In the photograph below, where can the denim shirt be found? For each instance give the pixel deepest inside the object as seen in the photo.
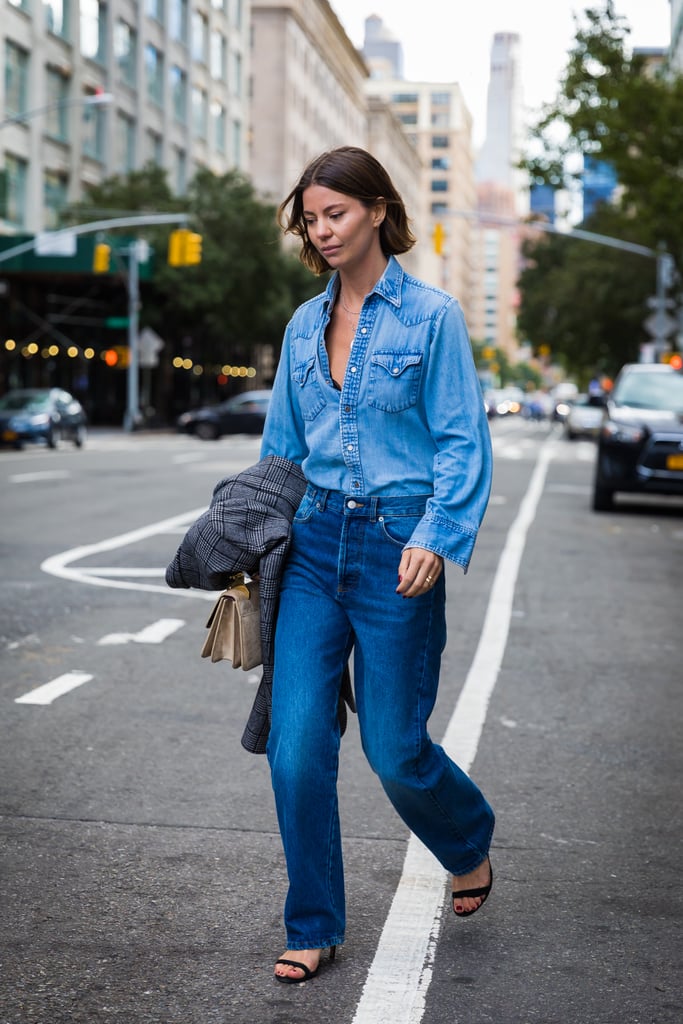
(409, 419)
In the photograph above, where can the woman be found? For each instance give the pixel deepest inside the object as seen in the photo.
(376, 397)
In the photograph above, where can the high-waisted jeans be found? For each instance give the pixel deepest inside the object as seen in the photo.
(338, 594)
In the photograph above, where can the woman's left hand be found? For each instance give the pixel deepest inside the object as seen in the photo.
(418, 571)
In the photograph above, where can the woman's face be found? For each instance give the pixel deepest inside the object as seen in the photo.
(342, 229)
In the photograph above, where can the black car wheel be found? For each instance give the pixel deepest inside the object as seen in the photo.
(207, 431)
(52, 437)
(603, 497)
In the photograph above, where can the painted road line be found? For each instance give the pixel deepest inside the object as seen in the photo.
(396, 988)
(154, 634)
(48, 474)
(56, 688)
(61, 565)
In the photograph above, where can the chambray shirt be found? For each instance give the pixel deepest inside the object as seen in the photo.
(409, 419)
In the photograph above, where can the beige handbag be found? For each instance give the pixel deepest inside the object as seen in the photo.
(235, 627)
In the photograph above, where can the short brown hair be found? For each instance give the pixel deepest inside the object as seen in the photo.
(353, 172)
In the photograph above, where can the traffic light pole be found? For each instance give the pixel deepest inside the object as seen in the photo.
(133, 417)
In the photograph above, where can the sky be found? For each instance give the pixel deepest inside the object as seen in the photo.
(450, 40)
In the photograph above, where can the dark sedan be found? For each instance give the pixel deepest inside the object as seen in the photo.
(47, 415)
(243, 414)
(640, 445)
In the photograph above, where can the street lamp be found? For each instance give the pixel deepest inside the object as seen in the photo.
(97, 99)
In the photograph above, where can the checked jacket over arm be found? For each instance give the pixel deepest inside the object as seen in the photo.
(247, 528)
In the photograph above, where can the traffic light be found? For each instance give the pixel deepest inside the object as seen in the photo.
(193, 248)
(176, 247)
(439, 238)
(101, 258)
(184, 248)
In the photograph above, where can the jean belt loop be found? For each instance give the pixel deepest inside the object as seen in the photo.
(374, 503)
(321, 498)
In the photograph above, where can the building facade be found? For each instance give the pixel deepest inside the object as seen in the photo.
(437, 123)
(91, 89)
(307, 91)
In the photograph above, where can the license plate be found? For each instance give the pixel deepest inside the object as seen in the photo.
(674, 462)
(9, 435)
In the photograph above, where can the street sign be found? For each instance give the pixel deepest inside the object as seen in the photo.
(660, 324)
(149, 344)
(116, 321)
(62, 243)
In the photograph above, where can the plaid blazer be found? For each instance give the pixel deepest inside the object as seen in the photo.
(247, 528)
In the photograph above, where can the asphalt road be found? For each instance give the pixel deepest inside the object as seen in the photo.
(141, 878)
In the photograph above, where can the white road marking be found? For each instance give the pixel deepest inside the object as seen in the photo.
(396, 988)
(61, 565)
(56, 688)
(47, 474)
(154, 634)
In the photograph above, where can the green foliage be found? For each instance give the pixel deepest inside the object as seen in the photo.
(586, 301)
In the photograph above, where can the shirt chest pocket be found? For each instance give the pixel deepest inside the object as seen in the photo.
(394, 380)
(311, 398)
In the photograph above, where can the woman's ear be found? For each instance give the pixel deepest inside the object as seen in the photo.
(379, 212)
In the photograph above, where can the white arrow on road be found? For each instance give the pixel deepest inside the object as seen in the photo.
(154, 634)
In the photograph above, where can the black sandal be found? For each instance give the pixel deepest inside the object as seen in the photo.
(308, 973)
(482, 892)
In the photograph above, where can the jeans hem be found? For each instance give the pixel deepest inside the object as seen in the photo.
(335, 940)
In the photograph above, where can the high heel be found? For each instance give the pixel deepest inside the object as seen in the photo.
(481, 892)
(308, 973)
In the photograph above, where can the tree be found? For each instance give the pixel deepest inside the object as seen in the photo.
(585, 301)
(589, 302)
(246, 286)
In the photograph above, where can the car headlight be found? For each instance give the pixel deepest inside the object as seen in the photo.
(626, 433)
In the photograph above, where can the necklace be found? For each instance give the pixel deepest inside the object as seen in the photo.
(351, 314)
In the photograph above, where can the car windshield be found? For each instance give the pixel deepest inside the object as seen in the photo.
(661, 391)
(25, 401)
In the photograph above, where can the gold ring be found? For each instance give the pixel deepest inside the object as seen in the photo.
(428, 579)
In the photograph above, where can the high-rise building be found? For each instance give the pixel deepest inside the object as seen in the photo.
(382, 51)
(96, 88)
(502, 149)
(599, 182)
(542, 200)
(676, 46)
(502, 198)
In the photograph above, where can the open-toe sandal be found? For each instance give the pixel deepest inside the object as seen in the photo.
(308, 973)
(482, 893)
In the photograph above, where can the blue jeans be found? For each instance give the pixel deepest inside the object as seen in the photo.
(338, 594)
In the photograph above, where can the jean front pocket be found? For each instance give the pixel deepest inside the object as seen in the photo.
(311, 398)
(399, 529)
(394, 380)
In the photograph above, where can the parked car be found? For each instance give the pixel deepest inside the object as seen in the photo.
(640, 445)
(243, 414)
(47, 415)
(584, 416)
